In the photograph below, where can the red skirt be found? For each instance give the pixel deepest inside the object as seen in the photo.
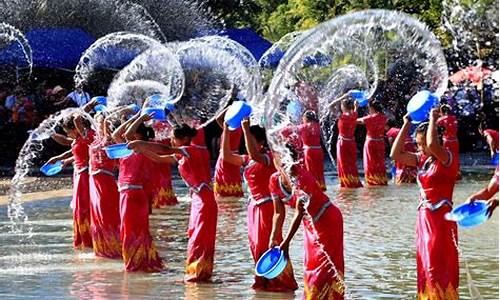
(81, 211)
(437, 255)
(105, 216)
(314, 163)
(201, 234)
(260, 224)
(405, 174)
(454, 147)
(374, 162)
(227, 179)
(163, 193)
(320, 279)
(138, 250)
(346, 164)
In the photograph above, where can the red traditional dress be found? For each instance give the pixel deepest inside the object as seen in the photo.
(404, 173)
(199, 142)
(493, 134)
(195, 171)
(291, 136)
(310, 136)
(323, 237)
(374, 149)
(138, 250)
(450, 141)
(437, 255)
(347, 152)
(162, 192)
(81, 196)
(260, 212)
(228, 176)
(104, 203)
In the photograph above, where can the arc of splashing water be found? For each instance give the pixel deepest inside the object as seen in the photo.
(12, 34)
(15, 211)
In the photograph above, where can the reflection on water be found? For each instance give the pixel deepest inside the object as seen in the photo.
(379, 252)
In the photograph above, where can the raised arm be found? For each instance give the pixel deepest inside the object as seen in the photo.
(61, 139)
(118, 134)
(78, 121)
(220, 118)
(397, 151)
(227, 154)
(89, 106)
(432, 137)
(132, 129)
(250, 144)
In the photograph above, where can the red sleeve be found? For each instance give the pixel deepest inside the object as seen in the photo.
(246, 159)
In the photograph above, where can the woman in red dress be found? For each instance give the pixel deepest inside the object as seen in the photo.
(195, 171)
(138, 250)
(491, 138)
(346, 145)
(104, 197)
(323, 230)
(450, 124)
(227, 178)
(404, 174)
(163, 192)
(258, 168)
(437, 255)
(78, 130)
(374, 150)
(310, 134)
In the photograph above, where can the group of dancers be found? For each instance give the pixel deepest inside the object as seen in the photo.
(112, 216)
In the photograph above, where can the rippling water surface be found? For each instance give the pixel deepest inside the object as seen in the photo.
(379, 252)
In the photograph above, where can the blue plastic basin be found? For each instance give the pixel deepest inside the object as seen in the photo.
(469, 214)
(118, 151)
(101, 100)
(494, 160)
(158, 113)
(420, 106)
(271, 263)
(51, 169)
(134, 107)
(360, 97)
(99, 107)
(236, 113)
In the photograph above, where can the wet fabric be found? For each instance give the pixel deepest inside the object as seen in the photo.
(374, 150)
(227, 181)
(347, 152)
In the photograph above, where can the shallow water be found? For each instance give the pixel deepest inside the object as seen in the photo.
(379, 252)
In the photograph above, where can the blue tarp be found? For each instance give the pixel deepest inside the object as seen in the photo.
(51, 48)
(256, 44)
(62, 48)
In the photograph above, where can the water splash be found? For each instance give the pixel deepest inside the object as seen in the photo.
(10, 35)
(25, 161)
(215, 67)
(111, 52)
(394, 53)
(158, 19)
(155, 71)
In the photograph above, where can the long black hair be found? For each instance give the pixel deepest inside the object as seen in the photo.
(259, 133)
(147, 133)
(183, 131)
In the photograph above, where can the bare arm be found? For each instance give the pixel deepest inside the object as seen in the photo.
(170, 159)
(118, 134)
(61, 156)
(486, 193)
(132, 129)
(227, 154)
(278, 220)
(432, 137)
(254, 154)
(360, 121)
(491, 144)
(297, 218)
(397, 150)
(220, 117)
(89, 106)
(61, 139)
(143, 146)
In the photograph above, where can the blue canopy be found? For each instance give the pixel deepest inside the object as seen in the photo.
(256, 44)
(51, 48)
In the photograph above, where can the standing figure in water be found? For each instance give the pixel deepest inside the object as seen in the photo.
(346, 145)
(258, 168)
(404, 173)
(138, 249)
(450, 124)
(437, 255)
(104, 196)
(195, 171)
(374, 149)
(310, 134)
(78, 129)
(163, 191)
(323, 229)
(491, 137)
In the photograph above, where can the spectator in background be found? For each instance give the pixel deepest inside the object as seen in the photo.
(79, 96)
(59, 97)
